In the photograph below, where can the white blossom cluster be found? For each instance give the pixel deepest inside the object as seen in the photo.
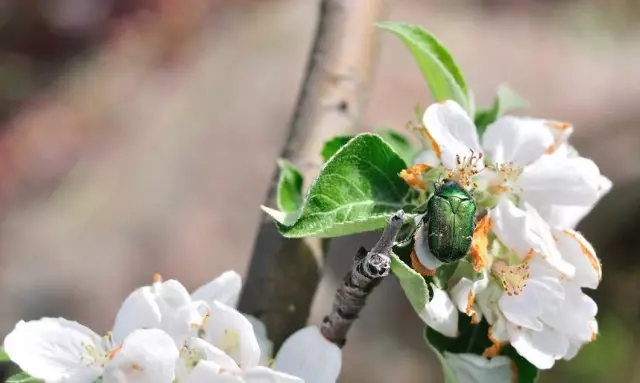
(529, 264)
(163, 334)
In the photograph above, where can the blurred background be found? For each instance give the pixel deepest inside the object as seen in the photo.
(139, 136)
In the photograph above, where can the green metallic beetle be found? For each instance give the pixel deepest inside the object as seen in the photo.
(448, 225)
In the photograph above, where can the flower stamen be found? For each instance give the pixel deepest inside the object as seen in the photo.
(512, 277)
(467, 168)
(506, 176)
(202, 327)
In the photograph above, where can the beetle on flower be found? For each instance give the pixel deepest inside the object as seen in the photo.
(529, 265)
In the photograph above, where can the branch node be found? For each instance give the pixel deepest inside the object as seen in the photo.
(367, 271)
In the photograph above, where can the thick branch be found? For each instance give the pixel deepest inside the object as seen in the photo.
(366, 273)
(284, 273)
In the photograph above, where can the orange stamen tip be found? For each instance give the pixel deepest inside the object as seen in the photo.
(529, 255)
(157, 278)
(112, 354)
(594, 336)
(480, 243)
(412, 176)
(492, 351)
(136, 367)
(561, 126)
(419, 267)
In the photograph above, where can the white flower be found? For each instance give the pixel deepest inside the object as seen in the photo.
(168, 306)
(58, 350)
(471, 368)
(533, 299)
(228, 350)
(307, 354)
(529, 264)
(266, 345)
(440, 313)
(523, 159)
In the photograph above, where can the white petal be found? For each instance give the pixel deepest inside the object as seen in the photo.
(261, 374)
(511, 226)
(147, 355)
(555, 180)
(576, 317)
(308, 355)
(210, 353)
(440, 313)
(231, 332)
(572, 351)
(463, 295)
(53, 349)
(172, 293)
(452, 131)
(487, 301)
(498, 332)
(205, 371)
(517, 140)
(139, 310)
(579, 252)
(471, 368)
(427, 157)
(225, 288)
(541, 348)
(568, 216)
(183, 322)
(266, 345)
(423, 252)
(206, 358)
(540, 295)
(523, 230)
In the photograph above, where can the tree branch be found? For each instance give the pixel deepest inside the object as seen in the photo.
(366, 273)
(284, 273)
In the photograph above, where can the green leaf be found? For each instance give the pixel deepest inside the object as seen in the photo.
(436, 63)
(357, 190)
(4, 357)
(23, 377)
(447, 371)
(459, 368)
(414, 285)
(527, 372)
(506, 99)
(443, 274)
(333, 145)
(400, 144)
(289, 187)
(473, 339)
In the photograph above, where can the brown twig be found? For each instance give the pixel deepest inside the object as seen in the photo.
(284, 273)
(366, 273)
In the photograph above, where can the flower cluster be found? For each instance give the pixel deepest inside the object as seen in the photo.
(163, 334)
(528, 264)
